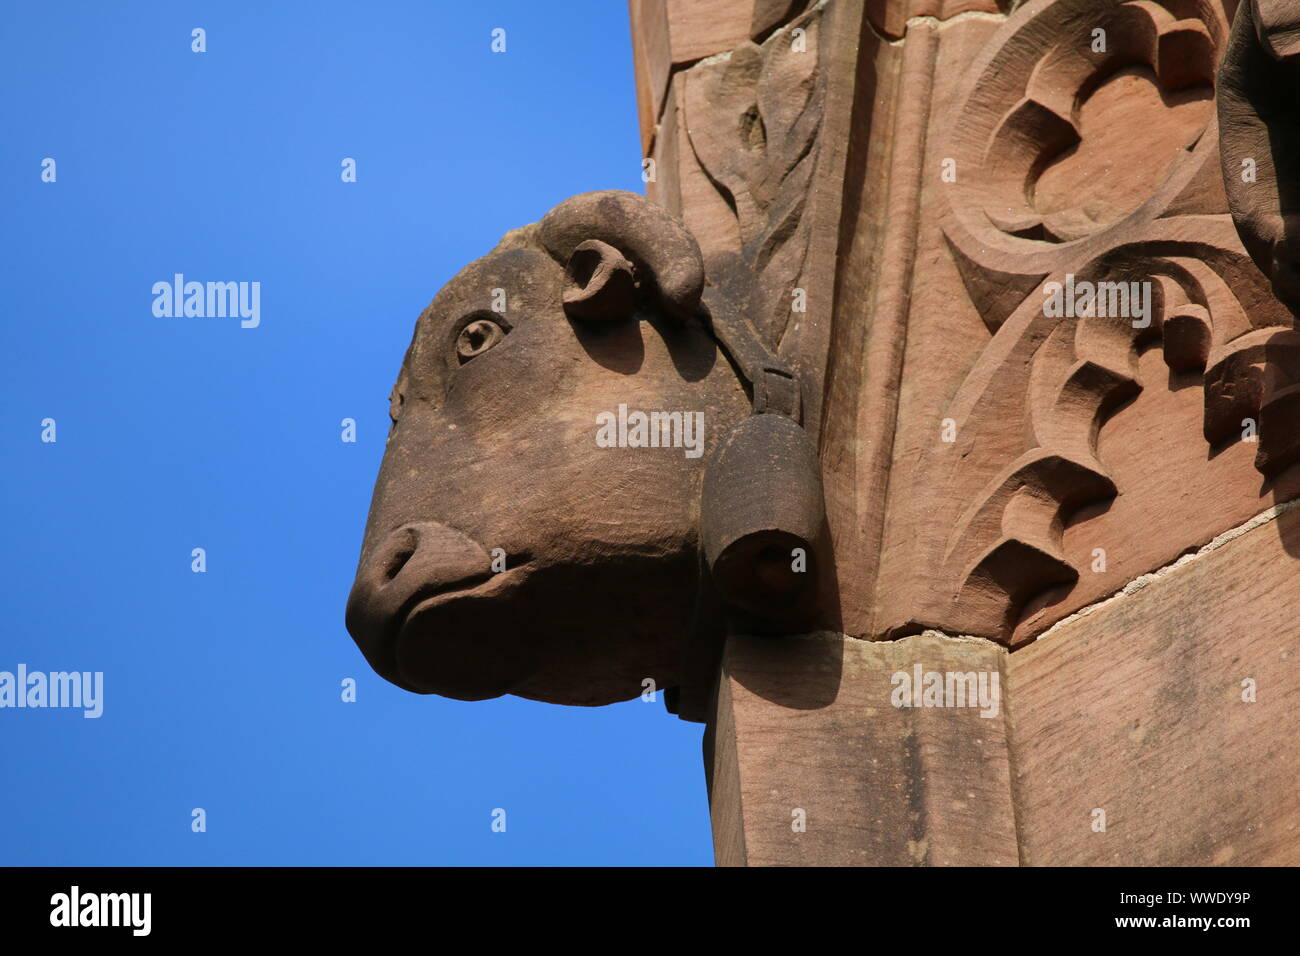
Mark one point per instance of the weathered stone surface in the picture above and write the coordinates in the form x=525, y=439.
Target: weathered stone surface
x=807, y=724
x=1136, y=709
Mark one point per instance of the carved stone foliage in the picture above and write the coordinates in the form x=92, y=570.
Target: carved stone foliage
x=749, y=122
x=1089, y=224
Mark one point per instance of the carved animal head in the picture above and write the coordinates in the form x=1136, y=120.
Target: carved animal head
x=1258, y=97
x=535, y=524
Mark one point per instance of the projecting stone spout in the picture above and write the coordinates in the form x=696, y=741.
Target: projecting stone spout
x=517, y=543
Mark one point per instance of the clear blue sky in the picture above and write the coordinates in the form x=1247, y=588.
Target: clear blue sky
x=222, y=689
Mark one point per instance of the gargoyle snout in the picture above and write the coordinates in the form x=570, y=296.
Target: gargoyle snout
x=411, y=565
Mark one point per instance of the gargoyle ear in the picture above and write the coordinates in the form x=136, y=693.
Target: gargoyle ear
x=595, y=236
x=600, y=283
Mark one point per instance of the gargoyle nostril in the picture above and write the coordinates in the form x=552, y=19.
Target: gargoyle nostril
x=403, y=548
x=422, y=555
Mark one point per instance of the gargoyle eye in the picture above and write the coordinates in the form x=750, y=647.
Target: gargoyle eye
x=477, y=337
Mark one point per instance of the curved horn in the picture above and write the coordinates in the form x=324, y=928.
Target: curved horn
x=664, y=254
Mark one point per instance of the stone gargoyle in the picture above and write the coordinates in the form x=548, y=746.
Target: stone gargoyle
x=595, y=467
